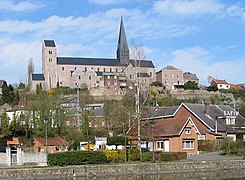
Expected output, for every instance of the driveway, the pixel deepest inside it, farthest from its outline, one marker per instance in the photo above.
(213, 156)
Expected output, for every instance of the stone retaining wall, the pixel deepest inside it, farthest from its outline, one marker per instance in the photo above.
(122, 169)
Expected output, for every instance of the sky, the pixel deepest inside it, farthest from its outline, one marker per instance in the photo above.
(204, 37)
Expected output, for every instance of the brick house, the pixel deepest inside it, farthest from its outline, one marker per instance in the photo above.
(170, 135)
(54, 144)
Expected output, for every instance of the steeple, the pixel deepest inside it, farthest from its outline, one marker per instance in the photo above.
(122, 46)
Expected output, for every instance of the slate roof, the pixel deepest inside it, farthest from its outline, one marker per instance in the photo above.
(188, 75)
(162, 128)
(38, 77)
(49, 43)
(210, 118)
(159, 112)
(56, 141)
(100, 62)
(141, 63)
(171, 68)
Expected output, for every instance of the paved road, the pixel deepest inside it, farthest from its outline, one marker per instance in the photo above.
(213, 156)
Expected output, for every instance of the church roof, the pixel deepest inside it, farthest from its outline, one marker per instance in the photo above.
(38, 77)
(49, 43)
(87, 61)
(122, 40)
(100, 62)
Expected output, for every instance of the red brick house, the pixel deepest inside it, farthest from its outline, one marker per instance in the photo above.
(54, 144)
(170, 134)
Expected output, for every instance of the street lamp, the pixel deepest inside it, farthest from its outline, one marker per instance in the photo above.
(46, 136)
(152, 123)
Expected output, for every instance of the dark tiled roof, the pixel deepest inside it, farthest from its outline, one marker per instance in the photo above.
(171, 68)
(87, 61)
(143, 75)
(210, 117)
(160, 111)
(49, 43)
(38, 77)
(162, 128)
(142, 63)
(188, 75)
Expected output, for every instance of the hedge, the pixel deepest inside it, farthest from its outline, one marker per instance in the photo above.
(172, 156)
(76, 158)
(146, 156)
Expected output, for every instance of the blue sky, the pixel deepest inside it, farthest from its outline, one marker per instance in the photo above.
(205, 37)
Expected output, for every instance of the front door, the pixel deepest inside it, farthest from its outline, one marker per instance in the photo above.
(166, 145)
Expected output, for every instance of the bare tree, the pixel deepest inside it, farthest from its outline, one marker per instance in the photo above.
(30, 69)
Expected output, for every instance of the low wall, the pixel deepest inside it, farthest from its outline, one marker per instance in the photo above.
(122, 169)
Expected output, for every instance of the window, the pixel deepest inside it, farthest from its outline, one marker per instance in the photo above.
(104, 69)
(188, 144)
(60, 83)
(159, 145)
(150, 73)
(130, 76)
(89, 78)
(85, 69)
(110, 70)
(116, 69)
(98, 69)
(115, 77)
(108, 77)
(63, 68)
(75, 68)
(50, 60)
(79, 77)
(187, 130)
(50, 51)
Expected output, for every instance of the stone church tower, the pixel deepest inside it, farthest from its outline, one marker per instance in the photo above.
(49, 64)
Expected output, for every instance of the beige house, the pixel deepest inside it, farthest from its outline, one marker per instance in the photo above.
(170, 76)
(103, 76)
(190, 77)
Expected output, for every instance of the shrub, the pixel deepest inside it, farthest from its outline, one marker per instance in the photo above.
(146, 156)
(208, 145)
(172, 156)
(76, 158)
(226, 145)
(115, 155)
(134, 154)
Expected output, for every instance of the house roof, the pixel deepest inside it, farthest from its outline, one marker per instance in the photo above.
(159, 112)
(49, 43)
(188, 75)
(162, 128)
(56, 141)
(38, 77)
(235, 86)
(171, 68)
(217, 81)
(142, 63)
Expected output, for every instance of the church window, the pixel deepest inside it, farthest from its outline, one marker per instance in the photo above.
(130, 76)
(150, 73)
(89, 77)
(50, 60)
(63, 68)
(85, 69)
(50, 51)
(79, 77)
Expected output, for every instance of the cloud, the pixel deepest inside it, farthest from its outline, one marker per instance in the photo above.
(106, 2)
(22, 6)
(199, 61)
(187, 7)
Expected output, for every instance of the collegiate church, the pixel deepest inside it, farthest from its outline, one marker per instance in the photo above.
(103, 76)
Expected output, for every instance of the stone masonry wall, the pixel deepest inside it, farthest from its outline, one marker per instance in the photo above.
(122, 169)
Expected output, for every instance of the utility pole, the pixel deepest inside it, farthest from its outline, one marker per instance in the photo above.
(78, 108)
(138, 114)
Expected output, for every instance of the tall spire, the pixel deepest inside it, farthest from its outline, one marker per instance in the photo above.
(122, 46)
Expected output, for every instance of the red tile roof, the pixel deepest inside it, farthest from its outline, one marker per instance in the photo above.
(56, 141)
(234, 86)
(220, 81)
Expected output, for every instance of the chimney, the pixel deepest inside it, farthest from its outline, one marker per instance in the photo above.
(206, 109)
